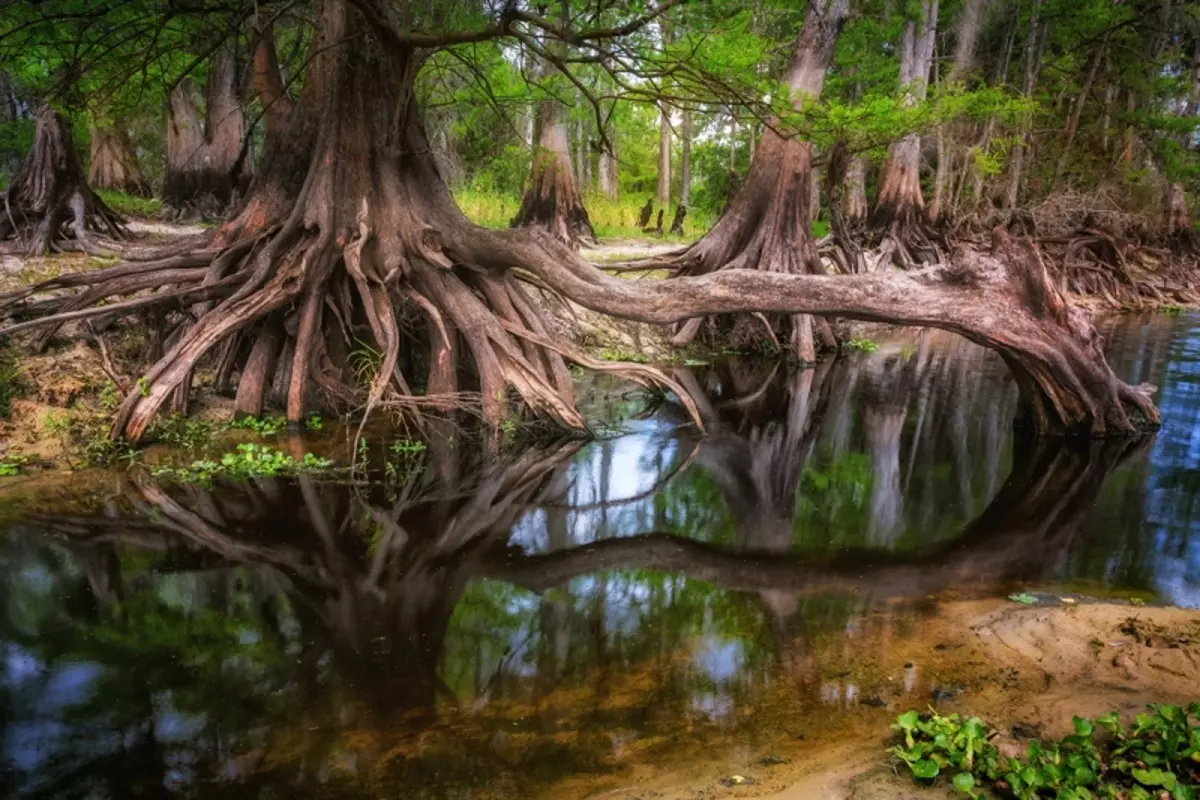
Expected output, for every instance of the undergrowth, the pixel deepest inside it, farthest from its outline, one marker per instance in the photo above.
(610, 218)
(12, 381)
(129, 205)
(1157, 758)
(248, 461)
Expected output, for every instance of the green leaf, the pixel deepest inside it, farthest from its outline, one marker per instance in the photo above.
(1154, 777)
(964, 782)
(1083, 726)
(926, 770)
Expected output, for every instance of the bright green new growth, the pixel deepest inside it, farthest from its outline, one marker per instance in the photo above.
(248, 461)
(1159, 757)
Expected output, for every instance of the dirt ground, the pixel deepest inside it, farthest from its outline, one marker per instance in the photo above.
(1023, 670)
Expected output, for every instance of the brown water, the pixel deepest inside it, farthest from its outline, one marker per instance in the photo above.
(617, 618)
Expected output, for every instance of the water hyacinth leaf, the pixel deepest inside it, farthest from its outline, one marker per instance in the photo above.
(964, 782)
(1155, 777)
(925, 769)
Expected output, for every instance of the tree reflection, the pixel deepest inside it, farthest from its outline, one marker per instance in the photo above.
(506, 622)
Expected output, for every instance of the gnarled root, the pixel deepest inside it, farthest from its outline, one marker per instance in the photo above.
(1124, 273)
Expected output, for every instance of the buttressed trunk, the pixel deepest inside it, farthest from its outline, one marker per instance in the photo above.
(48, 193)
(767, 225)
(204, 157)
(113, 164)
(552, 202)
(899, 204)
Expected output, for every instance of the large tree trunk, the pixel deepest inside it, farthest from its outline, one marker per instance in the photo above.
(552, 201)
(349, 231)
(113, 164)
(899, 203)
(205, 164)
(48, 193)
(767, 226)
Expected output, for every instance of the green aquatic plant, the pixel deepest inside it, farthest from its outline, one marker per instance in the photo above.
(862, 345)
(263, 426)
(248, 461)
(1158, 758)
(11, 465)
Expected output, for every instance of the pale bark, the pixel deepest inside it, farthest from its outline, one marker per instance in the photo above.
(662, 190)
(204, 164)
(685, 160)
(900, 199)
(607, 169)
(112, 163)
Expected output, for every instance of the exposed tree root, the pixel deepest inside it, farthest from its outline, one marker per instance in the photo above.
(1122, 272)
(48, 194)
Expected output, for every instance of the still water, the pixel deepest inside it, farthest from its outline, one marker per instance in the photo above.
(555, 621)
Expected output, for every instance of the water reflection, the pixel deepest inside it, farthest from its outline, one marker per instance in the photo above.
(469, 628)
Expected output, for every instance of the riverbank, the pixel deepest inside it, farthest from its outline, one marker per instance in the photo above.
(1025, 670)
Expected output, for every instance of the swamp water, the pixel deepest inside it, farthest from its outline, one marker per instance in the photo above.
(652, 615)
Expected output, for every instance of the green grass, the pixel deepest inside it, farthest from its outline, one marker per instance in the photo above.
(130, 205)
(611, 219)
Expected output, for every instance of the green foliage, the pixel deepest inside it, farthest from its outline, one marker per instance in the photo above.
(263, 426)
(1159, 757)
(11, 465)
(248, 461)
(131, 205)
(862, 345)
(12, 381)
(620, 354)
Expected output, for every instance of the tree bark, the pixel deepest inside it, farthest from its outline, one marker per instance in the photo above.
(854, 193)
(552, 201)
(685, 160)
(48, 193)
(204, 164)
(899, 203)
(662, 188)
(607, 169)
(113, 164)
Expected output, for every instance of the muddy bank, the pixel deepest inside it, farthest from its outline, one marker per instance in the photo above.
(1024, 670)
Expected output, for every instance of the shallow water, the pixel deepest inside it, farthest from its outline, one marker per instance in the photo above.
(574, 617)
